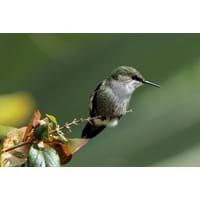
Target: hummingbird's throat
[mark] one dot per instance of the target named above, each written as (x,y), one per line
(132,86)
(124,89)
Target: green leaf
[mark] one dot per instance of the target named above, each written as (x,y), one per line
(42,133)
(62,137)
(52,119)
(43,157)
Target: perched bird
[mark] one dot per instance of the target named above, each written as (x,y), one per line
(110,100)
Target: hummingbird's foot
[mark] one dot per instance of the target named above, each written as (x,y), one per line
(91,119)
(129,111)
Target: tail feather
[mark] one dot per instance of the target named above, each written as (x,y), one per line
(91,131)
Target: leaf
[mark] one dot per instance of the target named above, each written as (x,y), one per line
(63,152)
(67,149)
(76,143)
(36,117)
(43,157)
(52,119)
(41,132)
(16,156)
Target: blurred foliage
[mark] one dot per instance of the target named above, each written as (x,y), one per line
(15,108)
(61,70)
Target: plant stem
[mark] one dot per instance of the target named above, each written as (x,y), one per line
(16,146)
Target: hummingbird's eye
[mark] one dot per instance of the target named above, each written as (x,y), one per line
(135,77)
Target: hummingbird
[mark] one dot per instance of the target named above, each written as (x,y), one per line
(110,100)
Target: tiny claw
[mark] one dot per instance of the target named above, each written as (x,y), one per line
(128,111)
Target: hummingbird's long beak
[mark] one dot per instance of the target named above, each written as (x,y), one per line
(150,83)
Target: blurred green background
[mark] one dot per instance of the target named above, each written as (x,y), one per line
(56,73)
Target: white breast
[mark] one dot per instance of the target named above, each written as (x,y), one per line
(111,123)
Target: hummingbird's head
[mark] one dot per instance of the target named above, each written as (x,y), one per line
(129,75)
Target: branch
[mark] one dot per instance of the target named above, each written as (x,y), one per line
(16,146)
(75,122)
(65,126)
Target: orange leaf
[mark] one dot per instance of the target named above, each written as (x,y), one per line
(76,143)
(65,151)
(32,124)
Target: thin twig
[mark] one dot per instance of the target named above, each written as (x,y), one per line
(129,111)
(16,146)
(75,122)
